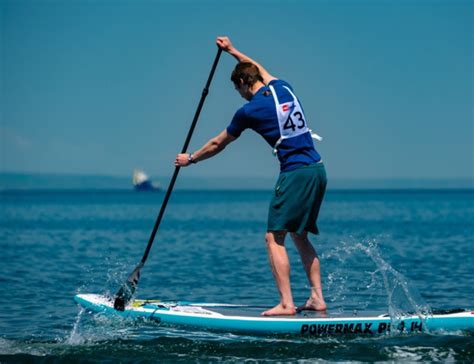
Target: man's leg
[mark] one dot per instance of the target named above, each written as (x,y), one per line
(310,261)
(281,271)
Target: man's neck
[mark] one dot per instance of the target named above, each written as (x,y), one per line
(256,86)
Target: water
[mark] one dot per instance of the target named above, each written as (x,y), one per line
(393,251)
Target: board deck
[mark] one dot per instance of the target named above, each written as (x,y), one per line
(247,319)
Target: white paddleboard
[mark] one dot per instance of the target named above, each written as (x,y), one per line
(247,319)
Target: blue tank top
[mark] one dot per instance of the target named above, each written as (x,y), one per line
(260,115)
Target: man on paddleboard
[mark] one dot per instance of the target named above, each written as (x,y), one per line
(274,112)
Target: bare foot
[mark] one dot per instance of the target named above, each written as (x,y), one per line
(280,310)
(313,304)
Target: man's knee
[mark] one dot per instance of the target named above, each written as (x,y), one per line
(268,237)
(277,237)
(299,238)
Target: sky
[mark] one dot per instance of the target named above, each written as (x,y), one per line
(103,87)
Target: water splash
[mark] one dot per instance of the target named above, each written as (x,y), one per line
(74,337)
(105,279)
(383,282)
(401,298)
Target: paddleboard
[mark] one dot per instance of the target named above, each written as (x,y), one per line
(247,319)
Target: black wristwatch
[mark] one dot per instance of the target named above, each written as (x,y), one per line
(191,159)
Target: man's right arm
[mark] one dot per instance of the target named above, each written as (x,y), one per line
(208,150)
(226,45)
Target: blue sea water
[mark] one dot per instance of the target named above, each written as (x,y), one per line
(392,250)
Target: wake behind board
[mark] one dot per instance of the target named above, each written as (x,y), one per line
(237,318)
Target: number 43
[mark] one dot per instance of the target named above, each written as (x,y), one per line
(289,124)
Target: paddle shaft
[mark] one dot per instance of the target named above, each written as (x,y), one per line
(205,91)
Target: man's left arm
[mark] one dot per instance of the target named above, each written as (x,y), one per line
(208,150)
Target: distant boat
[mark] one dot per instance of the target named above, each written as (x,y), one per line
(141,181)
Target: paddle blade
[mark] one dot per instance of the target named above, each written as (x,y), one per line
(125,293)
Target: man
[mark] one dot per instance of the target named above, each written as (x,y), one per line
(275,113)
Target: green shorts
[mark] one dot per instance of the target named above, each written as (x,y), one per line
(297,198)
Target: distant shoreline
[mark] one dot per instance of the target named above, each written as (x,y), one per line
(10,181)
(360,191)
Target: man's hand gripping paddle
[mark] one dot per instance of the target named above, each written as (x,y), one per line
(126,291)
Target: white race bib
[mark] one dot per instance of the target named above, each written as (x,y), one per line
(291,119)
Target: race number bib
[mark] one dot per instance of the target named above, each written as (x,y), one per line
(291,119)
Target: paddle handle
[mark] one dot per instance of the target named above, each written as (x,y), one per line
(205,92)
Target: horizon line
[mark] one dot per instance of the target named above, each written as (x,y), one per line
(343,178)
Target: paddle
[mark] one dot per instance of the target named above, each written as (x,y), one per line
(126,291)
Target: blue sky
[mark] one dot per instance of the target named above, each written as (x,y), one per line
(103,87)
